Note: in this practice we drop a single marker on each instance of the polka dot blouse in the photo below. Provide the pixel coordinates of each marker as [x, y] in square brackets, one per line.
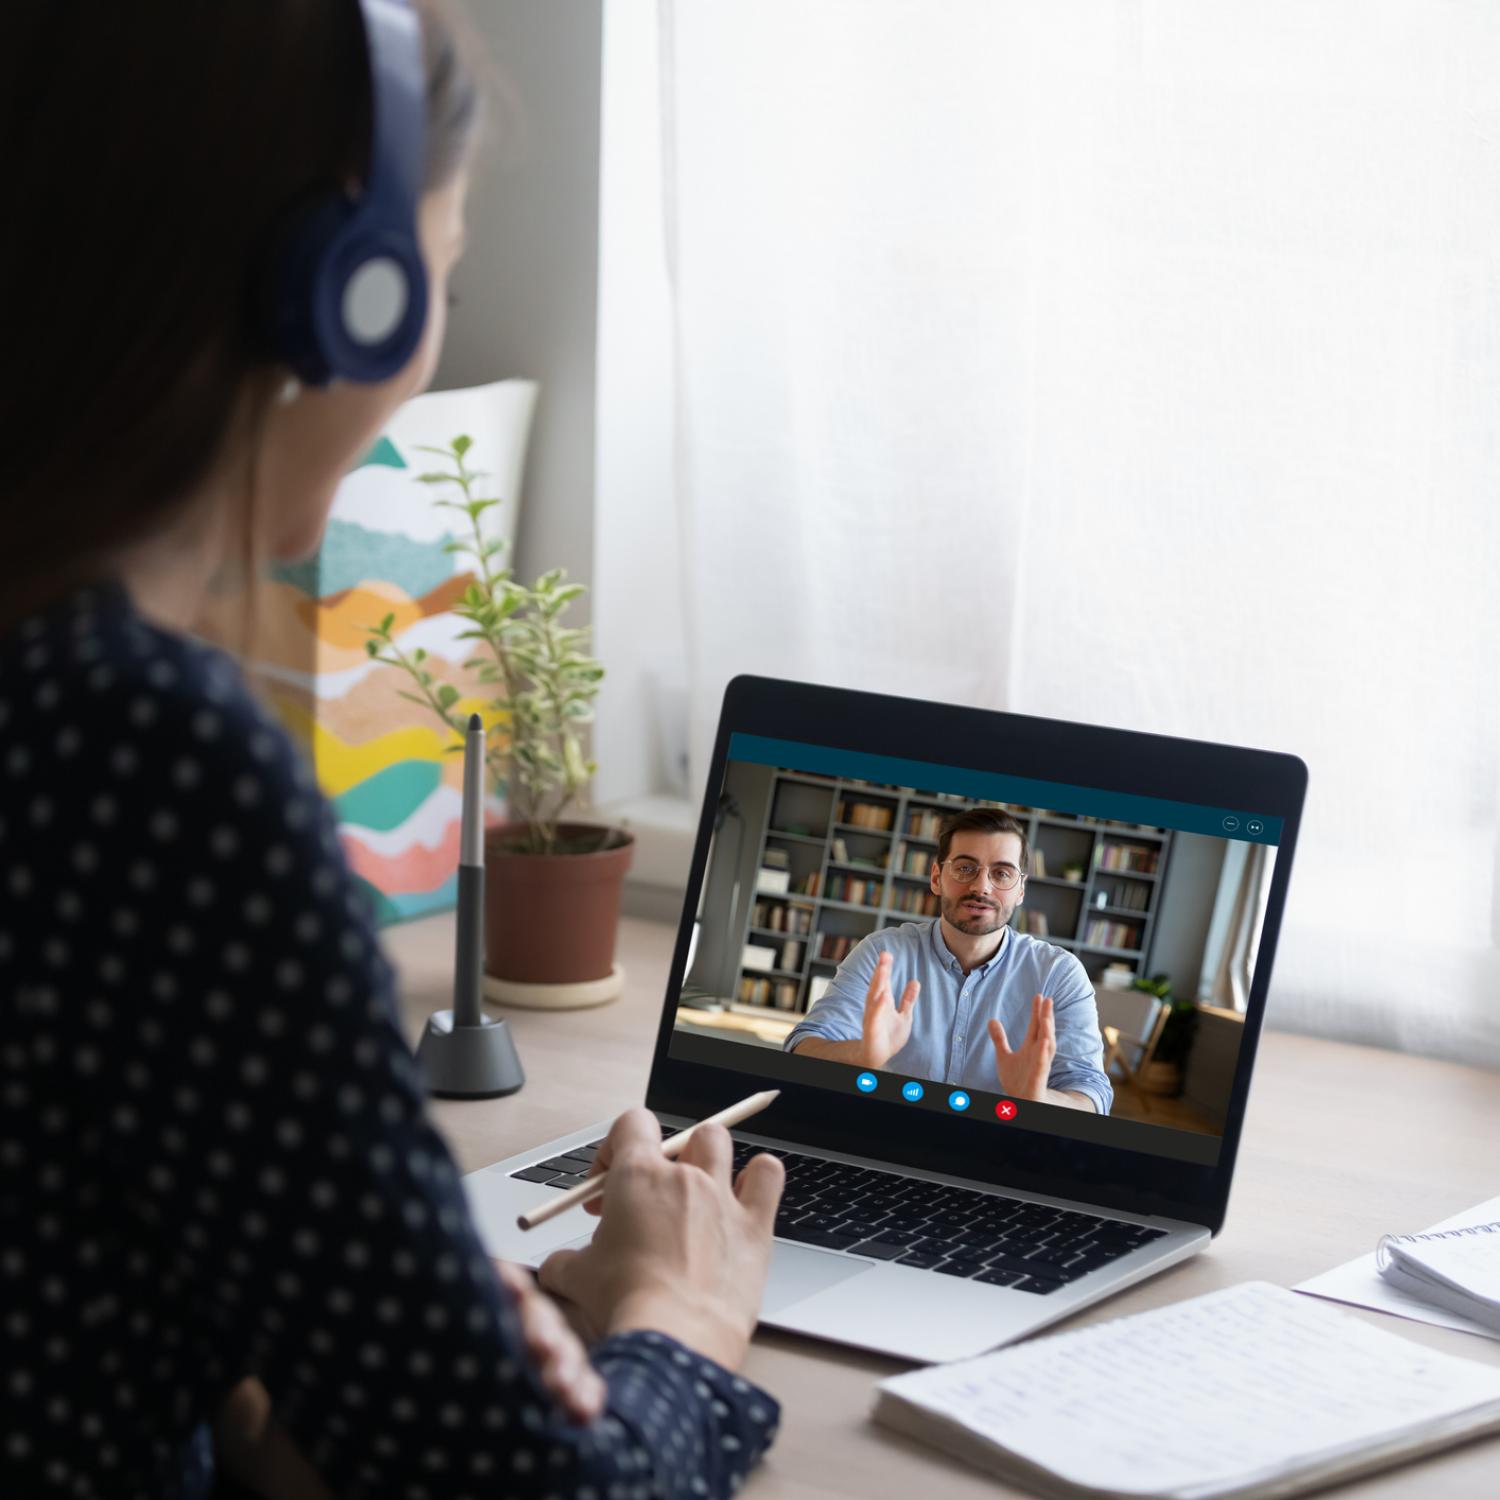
[215, 1159]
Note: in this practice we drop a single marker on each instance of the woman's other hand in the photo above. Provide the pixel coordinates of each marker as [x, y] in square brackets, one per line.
[681, 1248]
[562, 1361]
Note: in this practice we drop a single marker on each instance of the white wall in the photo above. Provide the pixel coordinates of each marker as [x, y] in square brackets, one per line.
[527, 287]
[565, 283]
[637, 603]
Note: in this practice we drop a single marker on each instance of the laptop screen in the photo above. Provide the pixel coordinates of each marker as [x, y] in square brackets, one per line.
[1017, 954]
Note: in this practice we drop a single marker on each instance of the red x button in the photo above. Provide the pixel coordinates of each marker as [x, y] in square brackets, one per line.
[1006, 1110]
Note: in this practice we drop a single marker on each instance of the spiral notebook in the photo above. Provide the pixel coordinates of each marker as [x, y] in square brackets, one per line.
[1248, 1392]
[1361, 1282]
[1455, 1268]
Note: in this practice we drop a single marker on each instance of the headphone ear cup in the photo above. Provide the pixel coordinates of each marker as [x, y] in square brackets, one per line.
[349, 298]
[345, 296]
[371, 303]
[294, 294]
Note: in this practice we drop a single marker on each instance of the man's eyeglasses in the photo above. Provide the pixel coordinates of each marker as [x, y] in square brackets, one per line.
[966, 872]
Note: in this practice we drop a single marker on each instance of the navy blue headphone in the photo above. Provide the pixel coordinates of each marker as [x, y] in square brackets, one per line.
[348, 299]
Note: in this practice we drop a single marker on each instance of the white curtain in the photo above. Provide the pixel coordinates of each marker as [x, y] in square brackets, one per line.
[1129, 362]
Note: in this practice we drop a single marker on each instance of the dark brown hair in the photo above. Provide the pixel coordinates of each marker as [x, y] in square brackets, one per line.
[982, 820]
[154, 153]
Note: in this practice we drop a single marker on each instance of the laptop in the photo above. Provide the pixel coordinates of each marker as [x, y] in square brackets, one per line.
[934, 1210]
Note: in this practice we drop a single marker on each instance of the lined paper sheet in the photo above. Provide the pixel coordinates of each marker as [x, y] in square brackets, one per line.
[1244, 1384]
[1359, 1281]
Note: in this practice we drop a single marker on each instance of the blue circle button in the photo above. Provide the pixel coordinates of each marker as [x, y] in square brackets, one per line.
[911, 1092]
[958, 1100]
[866, 1082]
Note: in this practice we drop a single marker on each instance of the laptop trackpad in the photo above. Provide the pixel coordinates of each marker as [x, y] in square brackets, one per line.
[797, 1271]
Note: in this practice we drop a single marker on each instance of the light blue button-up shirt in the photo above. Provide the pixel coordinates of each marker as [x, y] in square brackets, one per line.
[950, 1037]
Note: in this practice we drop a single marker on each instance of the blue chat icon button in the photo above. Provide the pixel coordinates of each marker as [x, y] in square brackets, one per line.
[866, 1082]
[911, 1092]
[958, 1100]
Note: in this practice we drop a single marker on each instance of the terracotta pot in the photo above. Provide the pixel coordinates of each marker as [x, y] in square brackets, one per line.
[551, 918]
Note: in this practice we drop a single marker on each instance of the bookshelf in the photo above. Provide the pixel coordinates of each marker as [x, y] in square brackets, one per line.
[839, 859]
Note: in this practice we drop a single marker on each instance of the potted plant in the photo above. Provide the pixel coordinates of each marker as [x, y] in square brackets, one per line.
[552, 882]
[1073, 871]
[1163, 1074]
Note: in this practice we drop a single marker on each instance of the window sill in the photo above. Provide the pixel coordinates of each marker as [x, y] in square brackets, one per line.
[1219, 1010]
[665, 829]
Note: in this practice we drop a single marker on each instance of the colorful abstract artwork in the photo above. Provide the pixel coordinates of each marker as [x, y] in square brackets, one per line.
[379, 758]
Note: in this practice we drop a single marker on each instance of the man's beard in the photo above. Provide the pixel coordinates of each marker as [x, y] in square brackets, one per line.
[975, 923]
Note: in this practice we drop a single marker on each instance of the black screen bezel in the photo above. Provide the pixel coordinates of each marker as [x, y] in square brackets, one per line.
[1180, 770]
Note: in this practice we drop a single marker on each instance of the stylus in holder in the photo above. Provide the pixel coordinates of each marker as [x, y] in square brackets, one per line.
[466, 1055]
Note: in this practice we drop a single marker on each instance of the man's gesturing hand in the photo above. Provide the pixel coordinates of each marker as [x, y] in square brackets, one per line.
[1024, 1072]
[887, 1027]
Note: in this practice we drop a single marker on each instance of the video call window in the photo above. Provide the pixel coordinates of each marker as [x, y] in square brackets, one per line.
[1141, 936]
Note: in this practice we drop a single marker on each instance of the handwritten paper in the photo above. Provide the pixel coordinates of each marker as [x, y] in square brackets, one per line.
[1221, 1393]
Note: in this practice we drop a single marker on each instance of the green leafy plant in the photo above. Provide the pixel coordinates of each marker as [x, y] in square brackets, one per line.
[544, 678]
[1177, 1034]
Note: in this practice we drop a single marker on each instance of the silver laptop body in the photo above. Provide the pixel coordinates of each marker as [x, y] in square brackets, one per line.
[880, 1304]
[838, 1295]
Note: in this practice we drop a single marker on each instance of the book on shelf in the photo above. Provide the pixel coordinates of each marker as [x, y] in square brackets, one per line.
[773, 882]
[841, 851]
[810, 885]
[1036, 923]
[1131, 895]
[1130, 858]
[776, 859]
[924, 823]
[1038, 864]
[879, 816]
[915, 902]
[774, 994]
[835, 946]
[757, 956]
[777, 916]
[791, 955]
[856, 890]
[1102, 933]
[817, 987]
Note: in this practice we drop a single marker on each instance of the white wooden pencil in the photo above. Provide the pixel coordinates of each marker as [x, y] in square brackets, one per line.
[585, 1191]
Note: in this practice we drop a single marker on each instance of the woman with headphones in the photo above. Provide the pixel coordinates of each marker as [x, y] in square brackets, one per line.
[236, 1253]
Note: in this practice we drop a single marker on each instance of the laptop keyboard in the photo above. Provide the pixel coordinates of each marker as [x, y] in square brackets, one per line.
[929, 1226]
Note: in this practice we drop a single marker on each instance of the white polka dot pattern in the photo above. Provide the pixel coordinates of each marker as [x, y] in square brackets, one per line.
[213, 1137]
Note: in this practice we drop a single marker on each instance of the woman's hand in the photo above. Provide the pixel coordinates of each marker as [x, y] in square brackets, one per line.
[252, 1448]
[564, 1363]
[681, 1248]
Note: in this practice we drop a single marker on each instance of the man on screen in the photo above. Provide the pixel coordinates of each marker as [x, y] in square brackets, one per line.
[981, 1005]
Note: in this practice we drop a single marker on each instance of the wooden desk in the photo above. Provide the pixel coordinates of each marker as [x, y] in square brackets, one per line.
[1341, 1144]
